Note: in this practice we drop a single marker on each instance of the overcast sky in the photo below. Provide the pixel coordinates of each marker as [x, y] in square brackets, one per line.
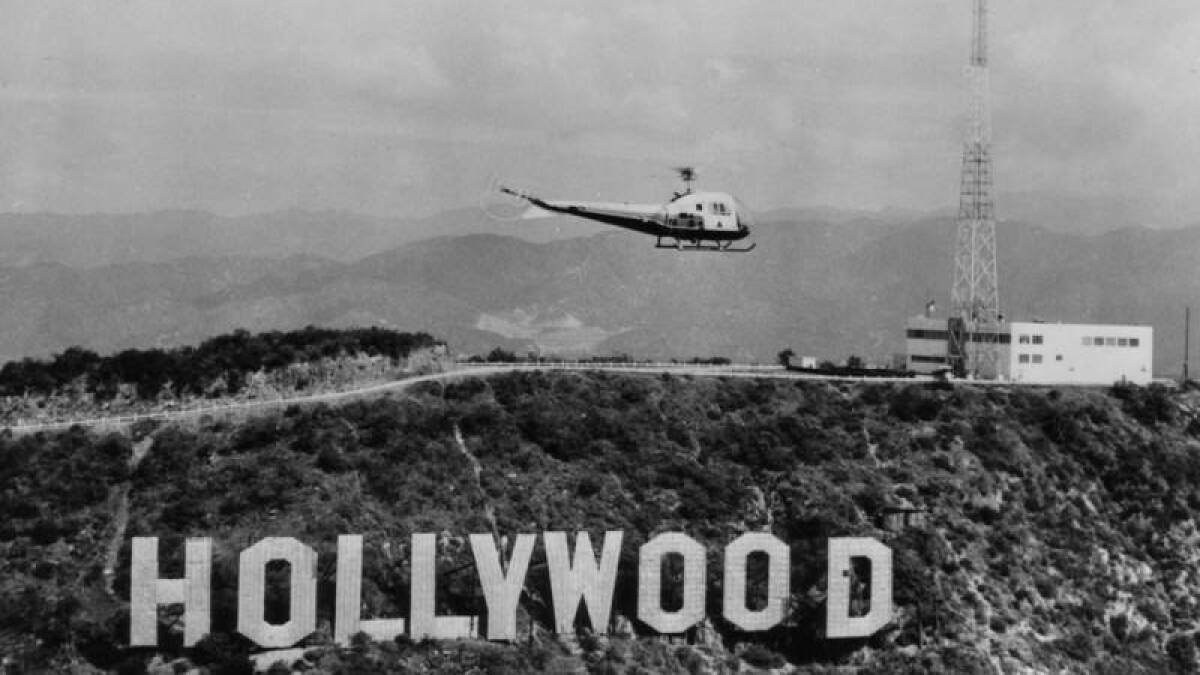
[404, 108]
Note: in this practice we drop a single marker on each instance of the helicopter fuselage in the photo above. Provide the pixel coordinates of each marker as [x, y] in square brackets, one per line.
[705, 221]
[692, 216]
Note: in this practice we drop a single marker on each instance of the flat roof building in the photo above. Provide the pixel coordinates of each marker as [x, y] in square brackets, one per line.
[1045, 353]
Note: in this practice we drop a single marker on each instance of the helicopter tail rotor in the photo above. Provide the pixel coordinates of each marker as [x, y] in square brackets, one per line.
[502, 203]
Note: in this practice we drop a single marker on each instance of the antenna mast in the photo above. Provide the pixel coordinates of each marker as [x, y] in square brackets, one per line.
[1187, 339]
[688, 175]
[975, 319]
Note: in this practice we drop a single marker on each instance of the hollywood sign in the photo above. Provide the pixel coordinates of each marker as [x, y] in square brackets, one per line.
[572, 580]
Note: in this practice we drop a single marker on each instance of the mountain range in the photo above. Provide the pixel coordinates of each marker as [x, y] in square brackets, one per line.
[826, 284]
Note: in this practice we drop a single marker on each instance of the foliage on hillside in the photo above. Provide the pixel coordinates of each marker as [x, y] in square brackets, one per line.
[1059, 534]
[58, 497]
[193, 370]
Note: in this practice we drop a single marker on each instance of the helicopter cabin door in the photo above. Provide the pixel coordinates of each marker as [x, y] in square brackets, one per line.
[719, 215]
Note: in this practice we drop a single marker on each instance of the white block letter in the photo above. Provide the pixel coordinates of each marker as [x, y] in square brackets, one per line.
[500, 592]
[778, 582]
[838, 622]
[650, 609]
[147, 591]
[424, 622]
[347, 615]
[252, 578]
[582, 580]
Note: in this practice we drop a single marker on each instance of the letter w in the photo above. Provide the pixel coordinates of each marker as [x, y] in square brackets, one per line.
[569, 582]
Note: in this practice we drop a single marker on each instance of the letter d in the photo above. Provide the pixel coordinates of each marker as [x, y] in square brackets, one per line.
[838, 622]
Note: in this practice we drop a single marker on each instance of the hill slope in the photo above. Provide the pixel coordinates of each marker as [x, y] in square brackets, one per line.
[1060, 529]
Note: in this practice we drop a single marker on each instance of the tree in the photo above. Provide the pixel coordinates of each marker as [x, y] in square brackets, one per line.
[499, 355]
[854, 361]
[785, 357]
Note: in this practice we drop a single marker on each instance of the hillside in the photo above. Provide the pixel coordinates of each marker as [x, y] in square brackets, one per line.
[226, 369]
[1059, 533]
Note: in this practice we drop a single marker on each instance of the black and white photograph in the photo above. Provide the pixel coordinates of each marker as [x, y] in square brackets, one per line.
[615, 338]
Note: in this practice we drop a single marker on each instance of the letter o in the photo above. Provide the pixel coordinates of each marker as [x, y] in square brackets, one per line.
[650, 558]
[252, 566]
[778, 583]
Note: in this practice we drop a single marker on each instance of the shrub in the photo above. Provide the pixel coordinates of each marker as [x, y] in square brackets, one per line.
[1148, 405]
[1181, 649]
[913, 403]
[224, 653]
[760, 656]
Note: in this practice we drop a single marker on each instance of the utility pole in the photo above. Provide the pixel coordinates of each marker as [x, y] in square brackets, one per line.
[974, 323]
[1187, 327]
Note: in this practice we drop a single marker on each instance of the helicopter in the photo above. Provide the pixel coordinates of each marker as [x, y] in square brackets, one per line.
[690, 221]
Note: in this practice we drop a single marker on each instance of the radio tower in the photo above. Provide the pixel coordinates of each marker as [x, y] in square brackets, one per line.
[975, 302]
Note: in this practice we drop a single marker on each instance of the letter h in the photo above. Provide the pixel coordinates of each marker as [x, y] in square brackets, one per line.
[147, 591]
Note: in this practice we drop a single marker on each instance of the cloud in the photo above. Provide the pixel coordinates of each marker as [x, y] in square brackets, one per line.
[394, 106]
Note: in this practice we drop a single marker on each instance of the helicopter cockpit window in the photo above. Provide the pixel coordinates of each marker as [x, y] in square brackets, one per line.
[719, 209]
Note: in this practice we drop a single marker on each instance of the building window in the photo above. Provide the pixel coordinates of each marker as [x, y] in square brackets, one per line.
[918, 358]
[1023, 358]
[1001, 338]
[1037, 339]
[1122, 342]
[1133, 342]
[700, 207]
[1110, 342]
[1024, 339]
[921, 334]
[1037, 358]
[1087, 341]
[1058, 357]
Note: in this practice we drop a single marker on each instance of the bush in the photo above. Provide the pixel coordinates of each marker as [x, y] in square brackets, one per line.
[762, 657]
[224, 654]
[914, 403]
[194, 369]
[1148, 405]
[330, 460]
[499, 355]
[1181, 649]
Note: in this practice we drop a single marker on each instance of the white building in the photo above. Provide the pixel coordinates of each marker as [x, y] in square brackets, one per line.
[1046, 353]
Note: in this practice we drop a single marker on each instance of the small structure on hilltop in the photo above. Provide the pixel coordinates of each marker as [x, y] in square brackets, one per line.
[902, 516]
[1042, 353]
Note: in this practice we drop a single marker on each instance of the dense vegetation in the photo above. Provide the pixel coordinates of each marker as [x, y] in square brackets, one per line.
[1059, 529]
[501, 355]
[191, 370]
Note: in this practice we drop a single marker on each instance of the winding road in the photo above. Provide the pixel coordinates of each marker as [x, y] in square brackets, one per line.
[460, 371]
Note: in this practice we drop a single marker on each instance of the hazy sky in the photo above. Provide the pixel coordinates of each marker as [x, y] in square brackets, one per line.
[404, 108]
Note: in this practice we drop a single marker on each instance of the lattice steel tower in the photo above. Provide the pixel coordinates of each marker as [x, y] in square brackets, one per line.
[975, 318]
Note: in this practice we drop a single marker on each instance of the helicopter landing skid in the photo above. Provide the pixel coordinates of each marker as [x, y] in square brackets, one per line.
[714, 247]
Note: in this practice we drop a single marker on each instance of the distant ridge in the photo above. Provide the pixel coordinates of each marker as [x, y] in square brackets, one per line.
[827, 286]
[95, 240]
